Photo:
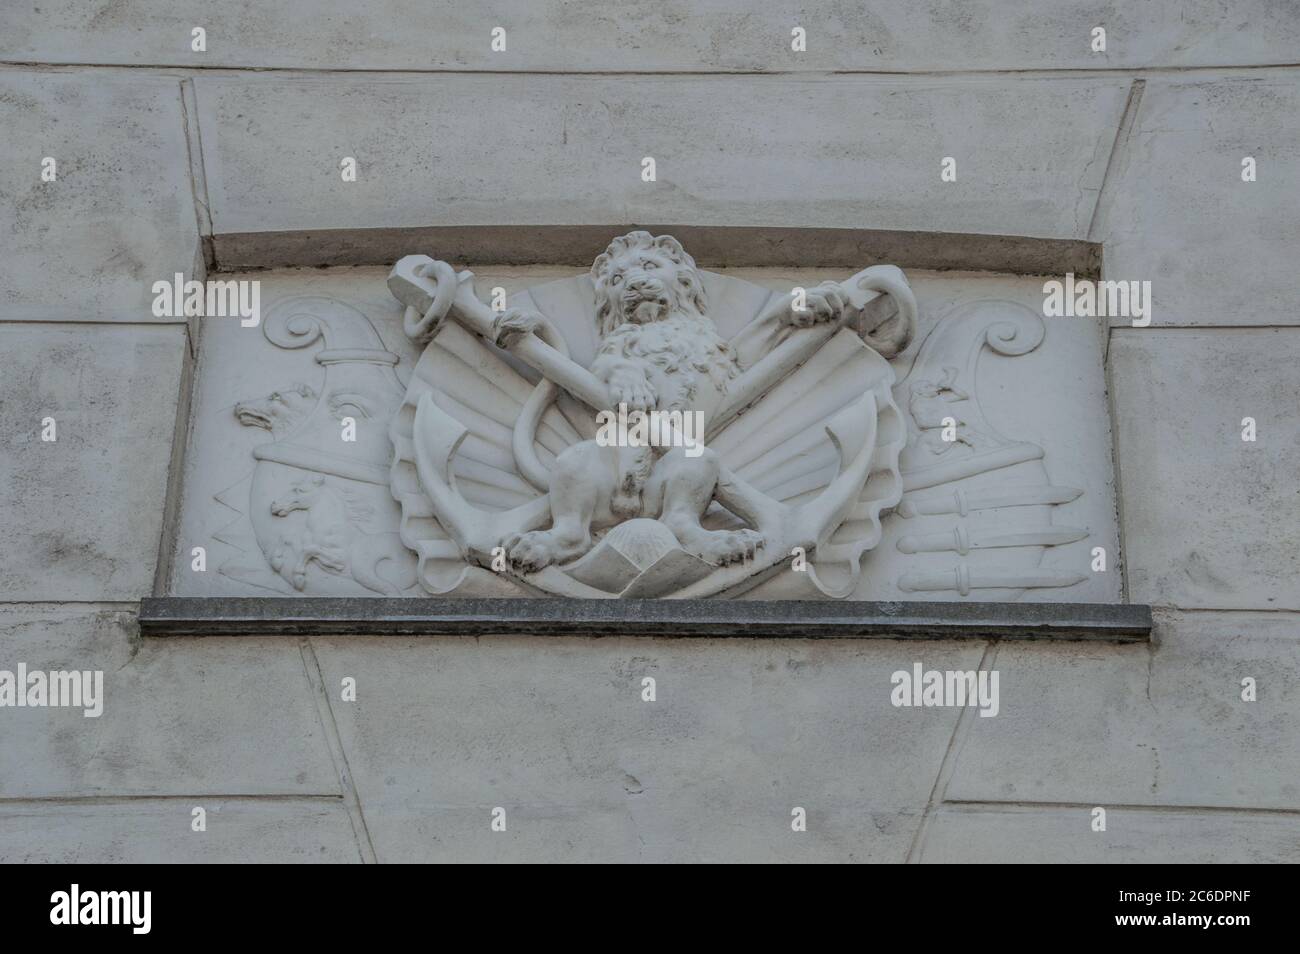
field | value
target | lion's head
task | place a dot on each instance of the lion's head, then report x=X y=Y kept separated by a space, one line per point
x=642 y=278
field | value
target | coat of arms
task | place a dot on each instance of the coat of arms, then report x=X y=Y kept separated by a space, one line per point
x=498 y=463
x=647 y=429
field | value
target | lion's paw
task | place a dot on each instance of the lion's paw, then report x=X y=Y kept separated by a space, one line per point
x=825 y=303
x=508 y=326
x=530 y=552
x=724 y=547
x=632 y=388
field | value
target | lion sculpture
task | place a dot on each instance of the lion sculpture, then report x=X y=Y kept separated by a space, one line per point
x=658 y=351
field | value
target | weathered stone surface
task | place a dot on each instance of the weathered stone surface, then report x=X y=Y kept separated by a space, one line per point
x=242 y=432
x=1217 y=250
x=554 y=730
x=157 y=831
x=1064 y=836
x=85 y=511
x=446 y=729
x=426 y=156
x=119 y=217
x=1210 y=520
x=674 y=35
x=229 y=717
x=1159 y=725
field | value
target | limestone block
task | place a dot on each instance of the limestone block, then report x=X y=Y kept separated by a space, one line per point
x=1161 y=725
x=740 y=733
x=1217 y=250
x=1210 y=520
x=493 y=149
x=675 y=35
x=157 y=831
x=120 y=214
x=85 y=510
x=990 y=834
x=186 y=716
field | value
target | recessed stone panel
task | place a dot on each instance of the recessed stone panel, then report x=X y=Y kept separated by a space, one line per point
x=1015 y=507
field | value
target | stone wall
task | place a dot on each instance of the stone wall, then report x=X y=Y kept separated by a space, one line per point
x=167 y=158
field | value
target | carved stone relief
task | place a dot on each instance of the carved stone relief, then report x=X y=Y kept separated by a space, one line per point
x=314 y=498
x=846 y=453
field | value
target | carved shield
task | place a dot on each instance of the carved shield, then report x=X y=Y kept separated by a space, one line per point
x=318 y=497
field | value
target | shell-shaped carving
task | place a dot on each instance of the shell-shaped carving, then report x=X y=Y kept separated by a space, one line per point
x=781 y=446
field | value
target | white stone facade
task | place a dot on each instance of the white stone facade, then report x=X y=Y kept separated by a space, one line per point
x=225 y=164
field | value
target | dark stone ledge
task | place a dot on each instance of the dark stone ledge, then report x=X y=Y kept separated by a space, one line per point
x=811 y=619
x=722 y=246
